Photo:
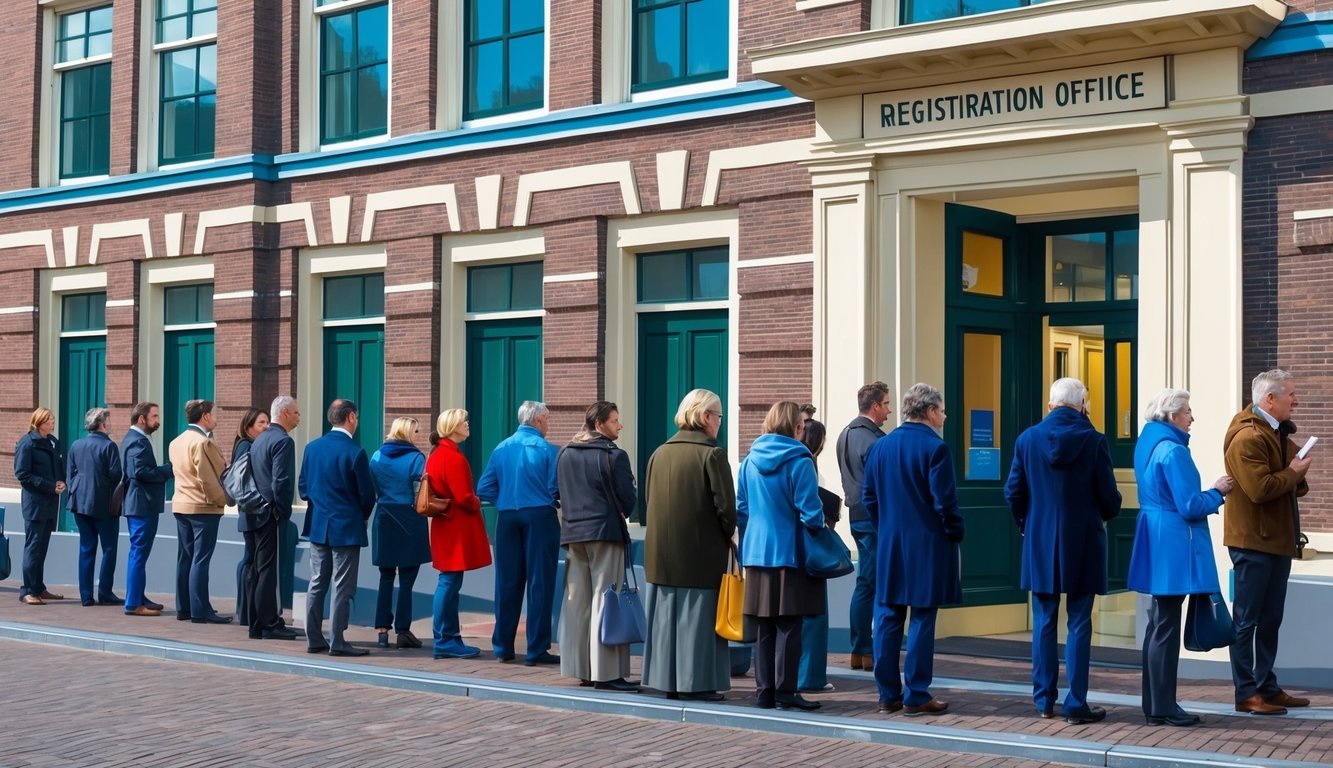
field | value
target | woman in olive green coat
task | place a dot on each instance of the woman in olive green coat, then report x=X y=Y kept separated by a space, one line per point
x=691 y=516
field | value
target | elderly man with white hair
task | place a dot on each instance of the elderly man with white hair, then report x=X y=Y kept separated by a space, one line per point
x=520 y=481
x=1061 y=490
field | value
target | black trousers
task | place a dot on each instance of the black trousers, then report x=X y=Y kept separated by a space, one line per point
x=777 y=655
x=1161 y=656
x=36 y=540
x=262 y=577
x=1261 y=598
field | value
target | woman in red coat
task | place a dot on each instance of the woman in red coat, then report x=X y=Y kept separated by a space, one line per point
x=458 y=540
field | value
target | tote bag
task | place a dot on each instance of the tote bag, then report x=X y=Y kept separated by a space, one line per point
x=1208 y=623
x=623 y=621
x=731 y=624
x=823 y=555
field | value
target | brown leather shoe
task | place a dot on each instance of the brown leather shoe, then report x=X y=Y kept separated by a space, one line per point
x=1282 y=699
x=32 y=600
x=49 y=595
x=862 y=662
x=1256 y=705
x=932 y=707
x=143 y=610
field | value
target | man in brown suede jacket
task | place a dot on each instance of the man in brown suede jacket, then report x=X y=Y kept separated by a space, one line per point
x=1260 y=531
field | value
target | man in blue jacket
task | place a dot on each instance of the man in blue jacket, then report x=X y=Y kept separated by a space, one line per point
x=273 y=464
x=1061 y=490
x=145 y=500
x=336 y=482
x=94 y=470
x=520 y=480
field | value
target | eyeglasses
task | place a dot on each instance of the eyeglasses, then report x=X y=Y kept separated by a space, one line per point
x=718 y=414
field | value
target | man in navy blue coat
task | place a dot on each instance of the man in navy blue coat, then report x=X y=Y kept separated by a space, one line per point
x=145 y=500
x=336 y=482
x=273 y=465
x=94 y=471
x=1061 y=490
x=911 y=498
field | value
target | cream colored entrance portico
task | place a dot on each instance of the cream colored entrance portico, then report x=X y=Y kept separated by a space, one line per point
x=880 y=191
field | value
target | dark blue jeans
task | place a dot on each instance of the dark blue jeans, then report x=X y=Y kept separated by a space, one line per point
x=384 y=603
x=862 y=611
x=527 y=549
x=92 y=532
x=143 y=531
x=36 y=540
x=1261 y=598
x=919 y=671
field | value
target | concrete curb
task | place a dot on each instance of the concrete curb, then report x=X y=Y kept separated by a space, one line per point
x=899 y=734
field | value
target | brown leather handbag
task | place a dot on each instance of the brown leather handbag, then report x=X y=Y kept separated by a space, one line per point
x=428 y=504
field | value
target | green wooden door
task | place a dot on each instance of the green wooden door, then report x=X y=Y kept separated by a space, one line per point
x=504 y=368
x=187 y=369
x=678 y=352
x=354 y=370
x=82 y=386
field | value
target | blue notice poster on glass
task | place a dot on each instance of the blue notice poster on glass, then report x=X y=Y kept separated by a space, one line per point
x=983 y=429
x=983 y=463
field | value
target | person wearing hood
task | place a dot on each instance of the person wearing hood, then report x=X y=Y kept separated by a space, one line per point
x=912 y=500
x=1261 y=528
x=689 y=500
x=400 y=541
x=776 y=492
x=1173 y=552
x=596 y=494
x=1061 y=491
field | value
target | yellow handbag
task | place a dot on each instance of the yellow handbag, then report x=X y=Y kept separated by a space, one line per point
x=731 y=624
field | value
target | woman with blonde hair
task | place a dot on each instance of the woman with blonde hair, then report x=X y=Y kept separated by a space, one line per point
x=39 y=466
x=777 y=493
x=691 y=516
x=400 y=543
x=458 y=540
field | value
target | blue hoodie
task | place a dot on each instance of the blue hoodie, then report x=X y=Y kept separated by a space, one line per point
x=1173 y=550
x=776 y=486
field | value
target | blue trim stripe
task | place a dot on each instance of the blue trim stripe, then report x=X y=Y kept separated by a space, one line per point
x=584 y=121
x=1298 y=33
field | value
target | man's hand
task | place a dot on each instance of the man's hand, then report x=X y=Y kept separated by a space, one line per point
x=1302 y=465
x=60 y=486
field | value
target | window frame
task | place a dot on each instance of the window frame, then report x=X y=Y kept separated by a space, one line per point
x=902 y=8
x=504 y=38
x=52 y=119
x=686 y=83
x=618 y=56
x=314 y=63
x=509 y=267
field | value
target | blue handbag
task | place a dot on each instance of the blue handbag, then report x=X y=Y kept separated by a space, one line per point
x=5 y=564
x=623 y=620
x=823 y=555
x=1208 y=623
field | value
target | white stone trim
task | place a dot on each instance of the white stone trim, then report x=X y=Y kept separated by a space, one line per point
x=190 y=327
x=174 y=225
x=409 y=288
x=517 y=314
x=340 y=218
x=225 y=217
x=114 y=303
x=489 y=189
x=619 y=172
x=507 y=246
x=347 y=258
x=285 y=212
x=349 y=322
x=1322 y=213
x=189 y=273
x=16 y=310
x=753 y=156
x=73 y=282
x=809 y=5
x=118 y=229
x=414 y=197
x=672 y=172
x=776 y=261
x=234 y=295
x=682 y=306
x=36 y=237
x=1296 y=101
x=572 y=277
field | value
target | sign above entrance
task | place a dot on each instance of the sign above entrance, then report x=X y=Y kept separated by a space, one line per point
x=1125 y=86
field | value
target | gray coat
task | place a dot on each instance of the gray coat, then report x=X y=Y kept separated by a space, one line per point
x=854 y=446
x=691 y=501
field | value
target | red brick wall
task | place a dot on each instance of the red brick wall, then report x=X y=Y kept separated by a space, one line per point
x=413 y=82
x=770 y=22
x=20 y=81
x=574 y=33
x=412 y=334
x=574 y=329
x=125 y=40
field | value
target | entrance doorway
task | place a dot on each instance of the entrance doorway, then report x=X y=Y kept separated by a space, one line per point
x=1028 y=303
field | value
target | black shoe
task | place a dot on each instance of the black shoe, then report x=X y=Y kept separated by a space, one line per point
x=408 y=640
x=319 y=649
x=1047 y=714
x=889 y=707
x=214 y=619
x=88 y=603
x=1184 y=720
x=504 y=658
x=1089 y=715
x=150 y=604
x=796 y=701
x=113 y=600
x=703 y=696
x=184 y=617
x=278 y=633
x=348 y=652
x=620 y=684
x=544 y=658
x=764 y=700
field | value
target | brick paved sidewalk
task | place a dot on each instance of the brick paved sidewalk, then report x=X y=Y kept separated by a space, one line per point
x=1241 y=735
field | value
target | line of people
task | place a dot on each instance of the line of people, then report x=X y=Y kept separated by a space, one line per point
x=902 y=505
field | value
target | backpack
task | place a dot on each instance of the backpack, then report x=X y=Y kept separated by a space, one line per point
x=238 y=484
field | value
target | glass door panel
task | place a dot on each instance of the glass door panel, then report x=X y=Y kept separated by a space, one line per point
x=982 y=405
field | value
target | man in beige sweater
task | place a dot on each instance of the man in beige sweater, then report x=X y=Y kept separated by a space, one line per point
x=197 y=505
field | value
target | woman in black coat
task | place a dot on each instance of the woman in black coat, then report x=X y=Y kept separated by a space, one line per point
x=40 y=470
x=253 y=422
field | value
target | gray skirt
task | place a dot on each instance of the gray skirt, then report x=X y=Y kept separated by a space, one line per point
x=774 y=592
x=682 y=653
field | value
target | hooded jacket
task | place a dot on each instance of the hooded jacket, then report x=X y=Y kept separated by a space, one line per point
x=399 y=537
x=1173 y=551
x=596 y=490
x=1061 y=491
x=1258 y=512
x=776 y=489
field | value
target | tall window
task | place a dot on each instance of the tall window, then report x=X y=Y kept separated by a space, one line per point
x=680 y=41
x=505 y=59
x=83 y=62
x=188 y=55
x=916 y=11
x=353 y=72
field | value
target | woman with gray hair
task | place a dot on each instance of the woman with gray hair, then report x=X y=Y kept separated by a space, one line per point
x=691 y=516
x=1173 y=552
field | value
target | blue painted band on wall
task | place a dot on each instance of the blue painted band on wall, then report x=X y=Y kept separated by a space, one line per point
x=745 y=97
x=1298 y=33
